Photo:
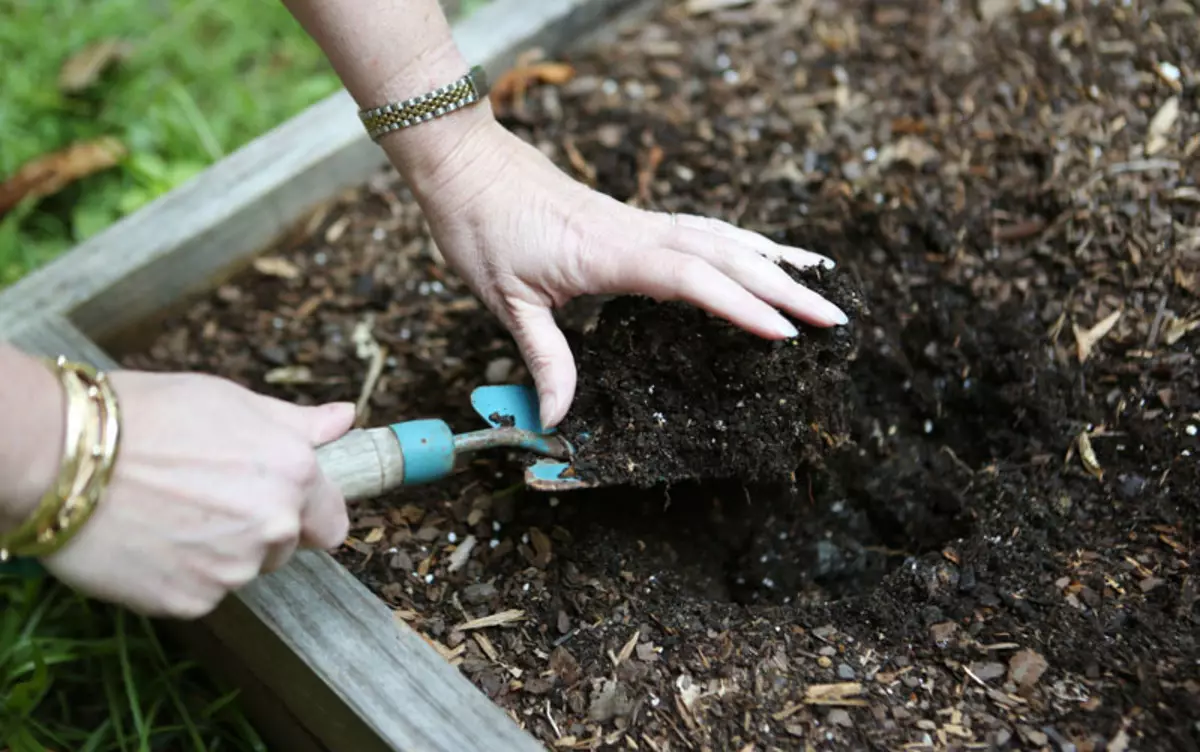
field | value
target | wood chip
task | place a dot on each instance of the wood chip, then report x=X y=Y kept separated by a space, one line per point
x=1176 y=329
x=289 y=375
x=461 y=555
x=1158 y=132
x=495 y=620
x=700 y=7
x=1088 y=456
x=627 y=650
x=1026 y=667
x=990 y=10
x=1086 y=339
x=841 y=693
x=512 y=85
x=276 y=266
x=451 y=655
x=486 y=645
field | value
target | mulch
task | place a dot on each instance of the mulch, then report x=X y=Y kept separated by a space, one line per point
x=997 y=547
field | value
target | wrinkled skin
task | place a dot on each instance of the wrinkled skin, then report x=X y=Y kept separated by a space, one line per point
x=214 y=485
x=537 y=238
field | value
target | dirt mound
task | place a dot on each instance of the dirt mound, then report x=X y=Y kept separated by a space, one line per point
x=669 y=393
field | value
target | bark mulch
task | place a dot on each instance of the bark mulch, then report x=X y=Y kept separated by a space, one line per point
x=991 y=543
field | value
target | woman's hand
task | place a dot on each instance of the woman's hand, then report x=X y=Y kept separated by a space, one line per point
x=523 y=234
x=214 y=484
x=527 y=238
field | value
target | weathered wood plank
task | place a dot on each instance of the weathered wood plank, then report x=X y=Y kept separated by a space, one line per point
x=327 y=647
x=178 y=245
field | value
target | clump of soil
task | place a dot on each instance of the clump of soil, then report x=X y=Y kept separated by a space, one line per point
x=1001 y=554
x=667 y=392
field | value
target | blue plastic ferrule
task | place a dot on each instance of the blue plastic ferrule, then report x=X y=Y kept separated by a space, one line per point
x=428 y=449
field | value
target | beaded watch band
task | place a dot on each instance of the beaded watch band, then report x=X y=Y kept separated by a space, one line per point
x=453 y=96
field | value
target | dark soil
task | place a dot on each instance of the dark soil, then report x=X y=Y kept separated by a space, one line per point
x=669 y=393
x=999 y=552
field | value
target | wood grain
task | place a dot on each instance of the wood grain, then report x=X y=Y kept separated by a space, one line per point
x=328 y=649
x=365 y=463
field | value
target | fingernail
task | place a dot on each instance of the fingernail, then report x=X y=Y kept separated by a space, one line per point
x=827 y=262
x=785 y=327
x=835 y=314
x=549 y=406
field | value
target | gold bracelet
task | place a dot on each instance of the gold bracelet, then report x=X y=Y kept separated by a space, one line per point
x=86 y=469
x=78 y=415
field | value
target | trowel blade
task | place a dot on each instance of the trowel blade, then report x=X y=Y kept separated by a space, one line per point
x=550 y=475
x=509 y=405
x=516 y=405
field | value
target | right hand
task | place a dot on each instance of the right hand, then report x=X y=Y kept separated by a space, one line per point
x=213 y=485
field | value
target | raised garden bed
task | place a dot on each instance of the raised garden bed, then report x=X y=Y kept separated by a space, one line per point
x=992 y=540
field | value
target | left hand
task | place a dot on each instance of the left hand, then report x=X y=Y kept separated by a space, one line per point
x=526 y=237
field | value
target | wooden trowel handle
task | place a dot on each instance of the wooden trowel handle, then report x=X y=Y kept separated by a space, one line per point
x=364 y=463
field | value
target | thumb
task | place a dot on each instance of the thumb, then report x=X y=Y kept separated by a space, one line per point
x=320 y=424
x=329 y=421
x=546 y=353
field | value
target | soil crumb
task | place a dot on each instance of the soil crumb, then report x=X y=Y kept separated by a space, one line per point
x=668 y=392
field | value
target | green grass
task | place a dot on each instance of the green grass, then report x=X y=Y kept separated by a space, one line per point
x=205 y=77
x=86 y=677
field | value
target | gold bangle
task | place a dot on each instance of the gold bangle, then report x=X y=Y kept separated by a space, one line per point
x=101 y=431
x=78 y=414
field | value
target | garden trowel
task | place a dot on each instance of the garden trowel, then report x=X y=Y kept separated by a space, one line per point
x=368 y=462
x=372 y=461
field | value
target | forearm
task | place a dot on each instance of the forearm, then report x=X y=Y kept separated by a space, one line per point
x=389 y=50
x=33 y=406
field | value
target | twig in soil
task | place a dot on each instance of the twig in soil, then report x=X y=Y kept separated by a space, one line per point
x=1156 y=326
x=374 y=371
x=840 y=694
x=495 y=620
x=1142 y=165
x=962 y=465
x=366 y=346
x=553 y=725
x=978 y=681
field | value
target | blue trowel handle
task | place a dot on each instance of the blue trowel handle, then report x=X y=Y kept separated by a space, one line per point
x=368 y=462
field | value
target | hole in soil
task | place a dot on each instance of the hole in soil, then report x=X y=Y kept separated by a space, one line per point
x=818 y=539
x=835 y=532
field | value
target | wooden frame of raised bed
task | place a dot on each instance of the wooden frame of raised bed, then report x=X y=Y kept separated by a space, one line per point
x=322 y=662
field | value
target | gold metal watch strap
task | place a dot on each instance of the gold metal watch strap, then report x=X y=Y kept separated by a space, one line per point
x=453 y=96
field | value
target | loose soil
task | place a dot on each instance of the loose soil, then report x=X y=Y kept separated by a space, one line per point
x=993 y=546
x=669 y=393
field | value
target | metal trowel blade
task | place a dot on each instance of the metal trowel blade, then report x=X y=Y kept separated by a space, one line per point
x=517 y=405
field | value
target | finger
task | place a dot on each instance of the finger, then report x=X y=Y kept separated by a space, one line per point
x=666 y=274
x=324 y=521
x=759 y=275
x=278 y=555
x=319 y=424
x=548 y=356
x=797 y=257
